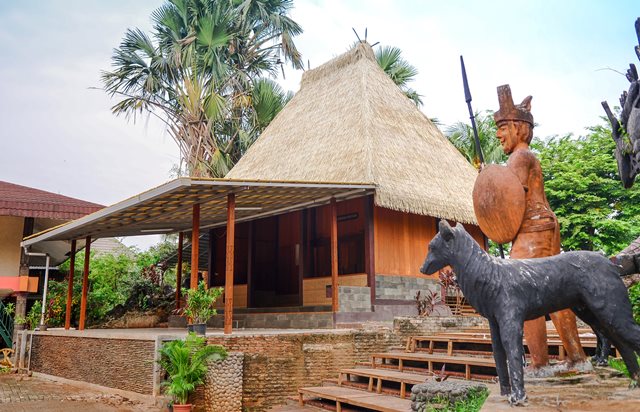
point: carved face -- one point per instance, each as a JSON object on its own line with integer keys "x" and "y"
{"x": 511, "y": 133}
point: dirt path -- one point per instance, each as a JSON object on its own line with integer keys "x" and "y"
{"x": 32, "y": 394}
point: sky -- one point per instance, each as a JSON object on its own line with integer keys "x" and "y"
{"x": 57, "y": 132}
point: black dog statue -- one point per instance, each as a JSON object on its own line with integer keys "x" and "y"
{"x": 509, "y": 291}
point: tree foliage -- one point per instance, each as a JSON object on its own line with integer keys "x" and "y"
{"x": 201, "y": 72}
{"x": 399, "y": 70}
{"x": 594, "y": 211}
{"x": 461, "y": 136}
{"x": 112, "y": 278}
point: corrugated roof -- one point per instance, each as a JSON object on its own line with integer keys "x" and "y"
{"x": 168, "y": 208}
{"x": 18, "y": 200}
{"x": 350, "y": 122}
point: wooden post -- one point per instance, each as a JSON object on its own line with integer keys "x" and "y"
{"x": 72, "y": 267}
{"x": 179, "y": 270}
{"x": 369, "y": 246}
{"x": 195, "y": 243}
{"x": 334, "y": 255}
{"x": 228, "y": 284}
{"x": 85, "y": 283}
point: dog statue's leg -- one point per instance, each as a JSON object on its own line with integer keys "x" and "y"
{"x": 511, "y": 330}
{"x": 500, "y": 358}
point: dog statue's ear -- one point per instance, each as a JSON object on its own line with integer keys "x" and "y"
{"x": 445, "y": 230}
{"x": 460, "y": 227}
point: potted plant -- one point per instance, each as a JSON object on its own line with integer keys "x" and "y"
{"x": 185, "y": 362}
{"x": 200, "y": 306}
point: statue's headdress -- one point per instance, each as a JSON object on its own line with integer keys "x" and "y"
{"x": 510, "y": 111}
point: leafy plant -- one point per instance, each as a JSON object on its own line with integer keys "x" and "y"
{"x": 10, "y": 309}
{"x": 634, "y": 297}
{"x": 200, "y": 302}
{"x": 33, "y": 317}
{"x": 427, "y": 303}
{"x": 185, "y": 362}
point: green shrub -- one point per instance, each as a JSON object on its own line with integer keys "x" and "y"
{"x": 201, "y": 302}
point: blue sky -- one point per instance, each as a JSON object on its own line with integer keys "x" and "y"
{"x": 58, "y": 134}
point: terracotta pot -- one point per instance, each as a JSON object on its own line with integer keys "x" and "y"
{"x": 182, "y": 408}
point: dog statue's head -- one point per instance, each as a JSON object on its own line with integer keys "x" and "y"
{"x": 440, "y": 248}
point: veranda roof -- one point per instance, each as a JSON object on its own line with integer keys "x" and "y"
{"x": 350, "y": 122}
{"x": 168, "y": 208}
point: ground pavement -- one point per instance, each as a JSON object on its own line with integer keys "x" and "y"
{"x": 32, "y": 394}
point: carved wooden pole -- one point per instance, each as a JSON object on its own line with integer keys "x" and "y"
{"x": 228, "y": 285}
{"x": 195, "y": 237}
{"x": 85, "y": 283}
{"x": 179, "y": 270}
{"x": 334, "y": 255}
{"x": 72, "y": 267}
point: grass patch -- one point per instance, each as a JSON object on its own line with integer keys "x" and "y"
{"x": 473, "y": 403}
{"x": 618, "y": 364}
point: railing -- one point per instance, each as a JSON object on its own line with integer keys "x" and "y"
{"x": 6, "y": 326}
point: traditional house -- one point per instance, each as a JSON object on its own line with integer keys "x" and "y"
{"x": 330, "y": 211}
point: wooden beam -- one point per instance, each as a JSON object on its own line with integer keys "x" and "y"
{"x": 369, "y": 246}
{"x": 179, "y": 270}
{"x": 228, "y": 284}
{"x": 334, "y": 255}
{"x": 195, "y": 243}
{"x": 85, "y": 283}
{"x": 72, "y": 267}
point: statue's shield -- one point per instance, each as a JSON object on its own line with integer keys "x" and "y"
{"x": 499, "y": 203}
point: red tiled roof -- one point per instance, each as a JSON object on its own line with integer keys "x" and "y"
{"x": 17, "y": 200}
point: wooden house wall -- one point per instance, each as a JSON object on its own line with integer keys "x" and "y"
{"x": 402, "y": 239}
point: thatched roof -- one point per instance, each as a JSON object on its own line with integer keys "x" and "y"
{"x": 350, "y": 123}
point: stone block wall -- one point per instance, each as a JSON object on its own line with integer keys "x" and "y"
{"x": 125, "y": 364}
{"x": 405, "y": 327}
{"x": 290, "y": 320}
{"x": 403, "y": 287}
{"x": 354, "y": 299}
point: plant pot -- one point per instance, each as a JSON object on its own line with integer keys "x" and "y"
{"x": 182, "y": 408}
{"x": 42, "y": 327}
{"x": 200, "y": 328}
{"x": 190, "y": 327}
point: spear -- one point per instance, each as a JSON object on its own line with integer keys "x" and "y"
{"x": 467, "y": 98}
{"x": 472, "y": 117}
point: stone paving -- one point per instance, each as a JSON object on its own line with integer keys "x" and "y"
{"x": 31, "y": 394}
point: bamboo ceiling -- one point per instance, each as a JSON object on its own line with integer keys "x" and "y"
{"x": 168, "y": 208}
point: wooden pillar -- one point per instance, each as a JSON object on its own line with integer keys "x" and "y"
{"x": 85, "y": 283}
{"x": 228, "y": 284}
{"x": 334, "y": 255}
{"x": 179, "y": 270}
{"x": 195, "y": 243}
{"x": 369, "y": 246}
{"x": 250, "y": 263}
{"x": 72, "y": 267}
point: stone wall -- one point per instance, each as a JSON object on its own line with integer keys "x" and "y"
{"x": 125, "y": 364}
{"x": 403, "y": 287}
{"x": 354, "y": 299}
{"x": 223, "y": 384}
{"x": 405, "y": 327}
{"x": 275, "y": 366}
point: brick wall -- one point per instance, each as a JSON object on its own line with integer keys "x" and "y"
{"x": 405, "y": 327}
{"x": 116, "y": 363}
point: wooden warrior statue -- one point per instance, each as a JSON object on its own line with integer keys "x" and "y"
{"x": 511, "y": 206}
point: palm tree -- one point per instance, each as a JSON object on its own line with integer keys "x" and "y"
{"x": 399, "y": 70}
{"x": 198, "y": 72}
{"x": 461, "y": 136}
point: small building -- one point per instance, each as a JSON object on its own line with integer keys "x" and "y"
{"x": 24, "y": 211}
{"x": 329, "y": 212}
